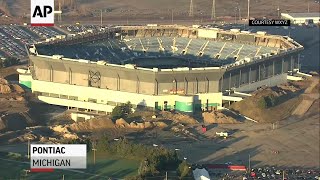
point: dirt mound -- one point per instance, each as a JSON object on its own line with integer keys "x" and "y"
{"x": 178, "y": 117}
{"x": 16, "y": 88}
{"x": 5, "y": 89}
{"x": 92, "y": 124}
{"x": 122, "y": 123}
{"x": 3, "y": 81}
{"x": 270, "y": 104}
{"x": 217, "y": 117}
{"x": 160, "y": 124}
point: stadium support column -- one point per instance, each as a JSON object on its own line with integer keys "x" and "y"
{"x": 292, "y": 64}
{"x": 249, "y": 77}
{"x": 240, "y": 78}
{"x": 156, "y": 87}
{"x": 230, "y": 82}
{"x": 272, "y": 68}
{"x": 51, "y": 74}
{"x": 138, "y": 85}
{"x": 259, "y": 73}
{"x": 299, "y": 62}
{"x": 282, "y": 63}
{"x": 118, "y": 83}
{"x": 221, "y": 88}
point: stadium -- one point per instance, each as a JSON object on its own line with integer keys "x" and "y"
{"x": 163, "y": 67}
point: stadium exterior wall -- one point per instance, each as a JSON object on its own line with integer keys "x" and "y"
{"x": 134, "y": 80}
{"x": 105, "y": 100}
{"x": 257, "y": 71}
{"x": 270, "y": 82}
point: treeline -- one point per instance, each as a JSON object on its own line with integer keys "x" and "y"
{"x": 154, "y": 160}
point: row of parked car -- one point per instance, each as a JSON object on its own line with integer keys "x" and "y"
{"x": 82, "y": 28}
{"x": 13, "y": 38}
{"x": 270, "y": 173}
{"x": 44, "y": 32}
{"x": 11, "y": 47}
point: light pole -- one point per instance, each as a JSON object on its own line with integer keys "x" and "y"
{"x": 235, "y": 15}
{"x": 94, "y": 149}
{"x": 94, "y": 155}
{"x": 29, "y": 147}
{"x": 171, "y": 16}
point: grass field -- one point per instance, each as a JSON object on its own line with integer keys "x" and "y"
{"x": 106, "y": 166}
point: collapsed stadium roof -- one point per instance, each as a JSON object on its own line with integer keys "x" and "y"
{"x": 190, "y": 47}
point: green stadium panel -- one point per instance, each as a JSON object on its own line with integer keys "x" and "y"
{"x": 184, "y": 106}
{"x": 213, "y": 104}
{"x": 26, "y": 84}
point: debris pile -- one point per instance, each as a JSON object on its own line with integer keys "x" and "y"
{"x": 6, "y": 88}
{"x": 178, "y": 117}
{"x": 218, "y": 117}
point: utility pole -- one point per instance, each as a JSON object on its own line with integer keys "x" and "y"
{"x": 235, "y": 15}
{"x": 283, "y": 175}
{"x": 213, "y": 11}
{"x": 248, "y": 10}
{"x": 94, "y": 149}
{"x": 249, "y": 163}
{"x": 191, "y": 9}
{"x": 166, "y": 175}
{"x": 308, "y": 7}
{"x": 62, "y": 176}
{"x": 59, "y": 15}
{"x": 101, "y": 18}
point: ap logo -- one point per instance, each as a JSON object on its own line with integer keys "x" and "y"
{"x": 42, "y": 12}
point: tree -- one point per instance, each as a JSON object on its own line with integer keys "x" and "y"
{"x": 127, "y": 108}
{"x": 121, "y": 111}
{"x": 183, "y": 169}
{"x": 117, "y": 112}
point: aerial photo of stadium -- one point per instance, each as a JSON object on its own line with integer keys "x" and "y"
{"x": 165, "y": 67}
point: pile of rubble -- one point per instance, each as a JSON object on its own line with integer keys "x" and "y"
{"x": 6, "y": 88}
{"x": 178, "y": 117}
{"x": 217, "y": 117}
{"x": 139, "y": 125}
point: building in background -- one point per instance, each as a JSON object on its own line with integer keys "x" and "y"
{"x": 302, "y": 18}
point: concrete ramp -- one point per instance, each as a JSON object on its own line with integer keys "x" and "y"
{"x": 231, "y": 98}
{"x": 294, "y": 78}
{"x": 242, "y": 94}
{"x": 304, "y": 74}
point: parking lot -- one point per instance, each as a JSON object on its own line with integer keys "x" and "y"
{"x": 13, "y": 38}
{"x": 267, "y": 173}
{"x": 76, "y": 29}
